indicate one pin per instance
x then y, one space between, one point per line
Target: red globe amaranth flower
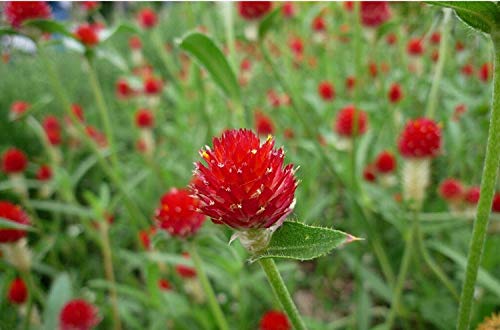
245 65
16 12
87 35
459 110
459 46
144 237
147 18
288 10
471 195
15 214
435 38
395 93
152 85
123 89
318 24
245 184
495 207
385 162
77 110
164 285
144 118
467 70
415 47
18 108
14 161
369 173
273 98
251 10
135 42
344 122
485 72
44 173
451 190
420 138
374 13
435 55
185 271
96 135
348 5
275 320
372 68
391 39
52 130
263 124
90 5
78 314
178 213
17 292
297 47
326 91
350 82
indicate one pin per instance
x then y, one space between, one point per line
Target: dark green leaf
482 16
7 31
49 26
60 293
295 240
268 22
206 52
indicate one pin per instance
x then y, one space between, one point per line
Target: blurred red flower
78 314
14 214
16 12
420 138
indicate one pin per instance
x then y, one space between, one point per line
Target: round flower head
78 314
296 46
369 173
152 85
147 18
350 82
485 72
78 112
178 214
288 9
185 271
318 24
52 130
435 38
451 190
263 124
16 12
415 47
144 118
44 173
471 195
17 293
87 35
164 284
274 320
395 93
252 10
14 161
14 214
326 91
18 108
391 39
385 162
374 13
244 183
123 89
467 70
90 5
421 138
135 42
344 122
495 207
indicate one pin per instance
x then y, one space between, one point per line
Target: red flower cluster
415 47
18 108
185 271
123 89
385 163
263 124
420 138
14 161
78 314
52 129
245 184
44 173
252 10
326 91
144 118
344 122
147 18
451 190
17 292
318 24
275 320
152 85
87 35
178 214
16 12
375 13
15 214
395 93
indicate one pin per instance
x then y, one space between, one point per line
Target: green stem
488 181
281 292
160 48
209 292
228 25
443 47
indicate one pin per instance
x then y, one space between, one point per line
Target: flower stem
488 181
281 292
207 287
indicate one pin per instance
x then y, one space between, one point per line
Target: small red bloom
350 82
289 133
318 24
471 195
435 55
144 118
18 292
485 72
415 47
96 135
395 93
391 39
14 161
435 38
344 122
348 5
420 138
185 271
123 89
15 214
467 70
385 162
144 237
451 190
78 314
52 129
147 18
263 124
245 184
87 35
460 109
495 207
90 5
273 98
459 46
135 42
372 67
16 12
245 65
44 173
152 85
326 91
288 9
177 213
18 108
369 173
164 284
78 112
251 10
296 46
275 320
375 13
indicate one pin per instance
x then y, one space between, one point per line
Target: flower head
244 183
471 195
344 122
370 173
44 173
318 24
374 13
421 138
451 190
415 47
52 129
164 284
485 72
78 314
263 124
288 9
18 108
152 85
16 215
144 118
395 93
17 292
185 271
252 10
385 162
147 18
14 161
178 214
87 35
135 42
326 91
274 320
16 12
435 38
495 207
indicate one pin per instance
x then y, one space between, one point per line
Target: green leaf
208 55
268 22
483 16
6 31
295 240
60 293
9 224
49 26
119 29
